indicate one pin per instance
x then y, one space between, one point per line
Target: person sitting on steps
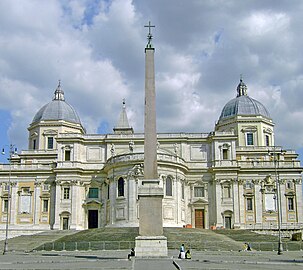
132 253
187 254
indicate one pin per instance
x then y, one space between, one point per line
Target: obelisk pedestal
150 242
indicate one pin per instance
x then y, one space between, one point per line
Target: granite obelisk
150 242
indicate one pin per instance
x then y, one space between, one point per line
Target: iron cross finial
149 36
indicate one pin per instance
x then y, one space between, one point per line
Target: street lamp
275 154
12 151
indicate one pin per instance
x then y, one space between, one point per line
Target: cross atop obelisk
150 242
149 36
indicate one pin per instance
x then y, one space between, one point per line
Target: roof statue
242 88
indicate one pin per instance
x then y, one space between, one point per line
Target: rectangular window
291 204
108 191
225 153
169 187
121 187
66 193
5 205
182 191
67 155
50 142
93 193
249 204
266 140
45 206
250 138
199 192
226 192
34 144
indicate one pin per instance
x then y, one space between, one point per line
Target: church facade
227 178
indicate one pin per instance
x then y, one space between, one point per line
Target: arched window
120 187
169 186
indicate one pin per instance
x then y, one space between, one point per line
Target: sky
96 49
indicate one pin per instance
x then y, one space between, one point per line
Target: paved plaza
110 260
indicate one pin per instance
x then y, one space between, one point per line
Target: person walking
182 252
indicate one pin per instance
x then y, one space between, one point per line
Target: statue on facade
112 149
131 146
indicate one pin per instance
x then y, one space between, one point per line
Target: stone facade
226 178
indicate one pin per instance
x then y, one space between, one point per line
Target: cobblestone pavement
110 260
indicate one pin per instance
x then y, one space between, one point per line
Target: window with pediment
290 204
249 204
50 142
249 138
45 205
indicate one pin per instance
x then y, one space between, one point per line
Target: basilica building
232 177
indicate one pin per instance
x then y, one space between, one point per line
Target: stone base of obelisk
151 246
150 242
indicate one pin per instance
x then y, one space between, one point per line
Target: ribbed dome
243 105
57 109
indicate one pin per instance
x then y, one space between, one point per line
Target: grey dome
57 109
243 105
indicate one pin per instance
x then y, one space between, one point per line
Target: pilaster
13 203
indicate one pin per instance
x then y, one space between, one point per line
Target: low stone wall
284 233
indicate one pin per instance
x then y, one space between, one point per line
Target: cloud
96 47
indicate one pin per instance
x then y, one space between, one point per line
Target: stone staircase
26 243
198 239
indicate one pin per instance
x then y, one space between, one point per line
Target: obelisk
150 242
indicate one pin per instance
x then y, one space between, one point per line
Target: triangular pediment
199 202
90 202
